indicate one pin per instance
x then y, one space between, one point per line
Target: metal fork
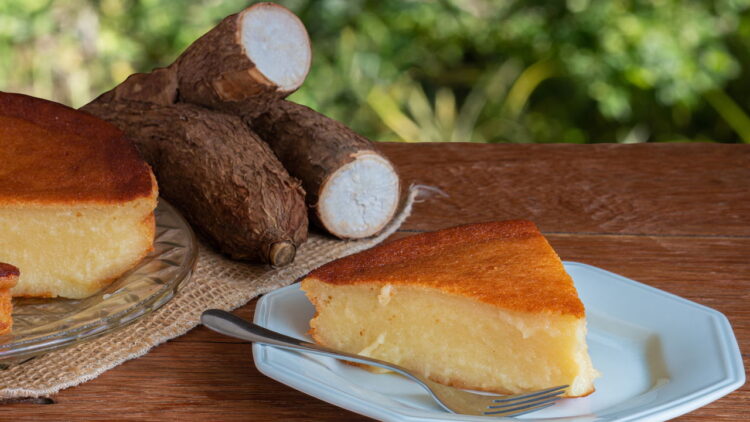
451 399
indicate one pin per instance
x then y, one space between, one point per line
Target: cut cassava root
226 180
250 58
352 190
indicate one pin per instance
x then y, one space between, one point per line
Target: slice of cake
485 307
8 279
76 200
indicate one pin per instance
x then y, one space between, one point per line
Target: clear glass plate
43 325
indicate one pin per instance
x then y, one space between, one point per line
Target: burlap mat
217 282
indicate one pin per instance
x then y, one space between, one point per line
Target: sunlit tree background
443 70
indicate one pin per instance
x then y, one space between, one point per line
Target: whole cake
76 200
486 307
8 279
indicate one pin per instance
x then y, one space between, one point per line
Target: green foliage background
444 70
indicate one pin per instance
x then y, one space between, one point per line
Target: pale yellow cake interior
452 339
73 250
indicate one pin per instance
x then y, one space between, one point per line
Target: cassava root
225 179
352 190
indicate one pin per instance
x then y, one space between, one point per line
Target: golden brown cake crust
51 153
507 264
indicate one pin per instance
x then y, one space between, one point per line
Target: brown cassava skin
215 71
310 145
216 170
158 87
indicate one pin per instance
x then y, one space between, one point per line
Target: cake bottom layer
73 251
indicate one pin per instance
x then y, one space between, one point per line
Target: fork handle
228 324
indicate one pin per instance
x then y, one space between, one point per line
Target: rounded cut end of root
281 254
277 42
359 198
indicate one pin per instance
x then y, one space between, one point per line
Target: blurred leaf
389 112
731 112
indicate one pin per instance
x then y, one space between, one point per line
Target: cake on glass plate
76 200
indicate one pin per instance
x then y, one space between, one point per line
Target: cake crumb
385 294
367 351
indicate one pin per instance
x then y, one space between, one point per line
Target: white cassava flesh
360 198
277 42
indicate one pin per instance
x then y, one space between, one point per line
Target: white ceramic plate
661 356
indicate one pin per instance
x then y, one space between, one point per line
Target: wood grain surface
674 216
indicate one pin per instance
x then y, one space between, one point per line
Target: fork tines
524 403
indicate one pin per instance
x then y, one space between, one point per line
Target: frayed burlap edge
217 282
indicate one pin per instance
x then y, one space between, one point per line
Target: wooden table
674 216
